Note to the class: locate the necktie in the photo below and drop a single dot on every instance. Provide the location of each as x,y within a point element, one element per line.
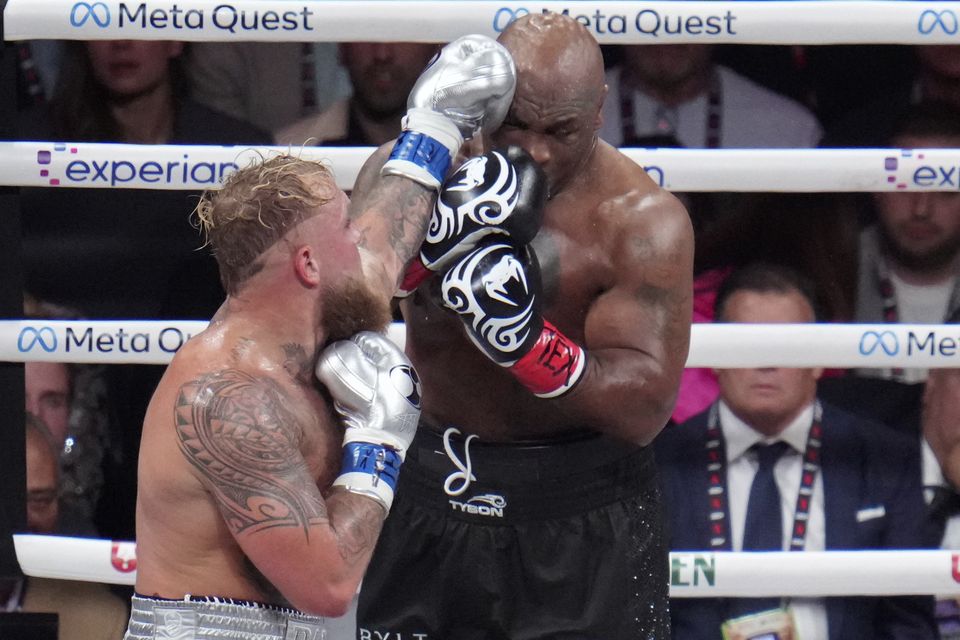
<point>764,529</point>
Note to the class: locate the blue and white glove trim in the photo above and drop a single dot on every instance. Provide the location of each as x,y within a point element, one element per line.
<point>425,149</point>
<point>370,469</point>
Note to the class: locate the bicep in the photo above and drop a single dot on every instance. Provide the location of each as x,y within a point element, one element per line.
<point>245,447</point>
<point>649,306</point>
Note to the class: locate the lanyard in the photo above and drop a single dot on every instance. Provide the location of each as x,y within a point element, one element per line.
<point>714,115</point>
<point>718,513</point>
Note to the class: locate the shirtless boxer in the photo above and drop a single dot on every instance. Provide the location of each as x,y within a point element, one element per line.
<point>257,511</point>
<point>528,507</point>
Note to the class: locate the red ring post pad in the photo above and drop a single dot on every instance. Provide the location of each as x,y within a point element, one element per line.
<point>422,151</point>
<point>553,366</point>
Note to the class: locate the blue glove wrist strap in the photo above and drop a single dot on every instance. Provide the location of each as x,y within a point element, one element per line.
<point>383,463</point>
<point>423,151</point>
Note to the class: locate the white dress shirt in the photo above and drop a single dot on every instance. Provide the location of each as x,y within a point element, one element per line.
<point>750,116</point>
<point>810,614</point>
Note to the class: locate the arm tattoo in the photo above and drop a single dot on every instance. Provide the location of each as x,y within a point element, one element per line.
<point>235,431</point>
<point>405,205</point>
<point>358,524</point>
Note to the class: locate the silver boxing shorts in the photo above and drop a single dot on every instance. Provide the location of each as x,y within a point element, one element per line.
<point>212,618</point>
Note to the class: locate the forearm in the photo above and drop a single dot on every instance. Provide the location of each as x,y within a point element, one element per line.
<point>392,226</point>
<point>624,394</point>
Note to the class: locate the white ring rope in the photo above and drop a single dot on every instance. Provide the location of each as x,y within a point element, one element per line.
<point>693,574</point>
<point>192,167</point>
<point>791,22</point>
<point>711,345</point>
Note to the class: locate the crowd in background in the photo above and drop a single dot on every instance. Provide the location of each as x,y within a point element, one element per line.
<point>887,257</point>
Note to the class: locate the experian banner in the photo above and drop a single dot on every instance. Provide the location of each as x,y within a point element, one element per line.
<point>131,166</point>
<point>128,166</point>
<point>775,22</point>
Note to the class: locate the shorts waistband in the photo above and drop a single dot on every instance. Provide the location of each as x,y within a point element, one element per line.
<point>527,480</point>
<point>195,617</point>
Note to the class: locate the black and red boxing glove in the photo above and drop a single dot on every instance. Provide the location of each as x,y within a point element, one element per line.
<point>496,290</point>
<point>500,192</point>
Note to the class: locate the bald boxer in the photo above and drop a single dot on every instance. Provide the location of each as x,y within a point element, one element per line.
<point>528,506</point>
<point>261,493</point>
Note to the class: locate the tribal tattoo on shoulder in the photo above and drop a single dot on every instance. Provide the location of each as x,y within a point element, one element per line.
<point>235,430</point>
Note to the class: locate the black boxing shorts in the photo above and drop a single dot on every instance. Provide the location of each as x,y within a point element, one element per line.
<point>504,541</point>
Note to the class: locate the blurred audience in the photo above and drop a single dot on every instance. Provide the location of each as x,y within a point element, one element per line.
<point>910,258</point>
<point>86,610</point>
<point>122,252</point>
<point>381,76</point>
<point>38,66</point>
<point>935,77</point>
<point>812,233</point>
<point>71,400</point>
<point>779,470</point>
<point>680,90</point>
<point>270,84</point>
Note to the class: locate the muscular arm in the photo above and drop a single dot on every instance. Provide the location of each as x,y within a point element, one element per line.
<point>245,447</point>
<point>637,333</point>
<point>391,214</point>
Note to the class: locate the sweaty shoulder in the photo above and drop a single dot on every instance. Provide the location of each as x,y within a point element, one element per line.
<point>636,212</point>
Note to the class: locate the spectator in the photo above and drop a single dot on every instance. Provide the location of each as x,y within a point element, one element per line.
<point>814,234</point>
<point>86,610</point>
<point>382,75</point>
<point>270,84</point>
<point>123,253</point>
<point>935,78</point>
<point>680,90</point>
<point>910,258</point>
<point>114,252</point>
<point>772,429</point>
<point>71,400</point>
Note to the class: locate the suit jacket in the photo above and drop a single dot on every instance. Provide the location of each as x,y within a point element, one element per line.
<point>864,465</point>
<point>86,610</point>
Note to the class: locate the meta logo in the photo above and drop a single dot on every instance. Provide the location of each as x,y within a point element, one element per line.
<point>932,20</point>
<point>886,341</point>
<point>928,344</point>
<point>82,12</point>
<point>43,337</point>
<point>648,22</point>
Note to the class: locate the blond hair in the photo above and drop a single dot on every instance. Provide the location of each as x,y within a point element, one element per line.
<point>257,206</point>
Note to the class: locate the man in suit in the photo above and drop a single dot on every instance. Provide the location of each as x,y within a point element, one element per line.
<point>771,467</point>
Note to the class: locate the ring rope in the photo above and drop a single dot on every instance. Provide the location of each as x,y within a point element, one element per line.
<point>192,167</point>
<point>705,574</point>
<point>711,344</point>
<point>775,22</point>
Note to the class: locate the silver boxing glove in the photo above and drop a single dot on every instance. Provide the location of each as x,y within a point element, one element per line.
<point>376,392</point>
<point>468,86</point>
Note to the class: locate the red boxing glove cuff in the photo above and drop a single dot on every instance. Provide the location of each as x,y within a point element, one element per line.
<point>414,276</point>
<point>553,366</point>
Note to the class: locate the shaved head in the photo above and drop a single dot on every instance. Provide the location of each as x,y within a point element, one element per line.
<point>555,55</point>
<point>555,113</point>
